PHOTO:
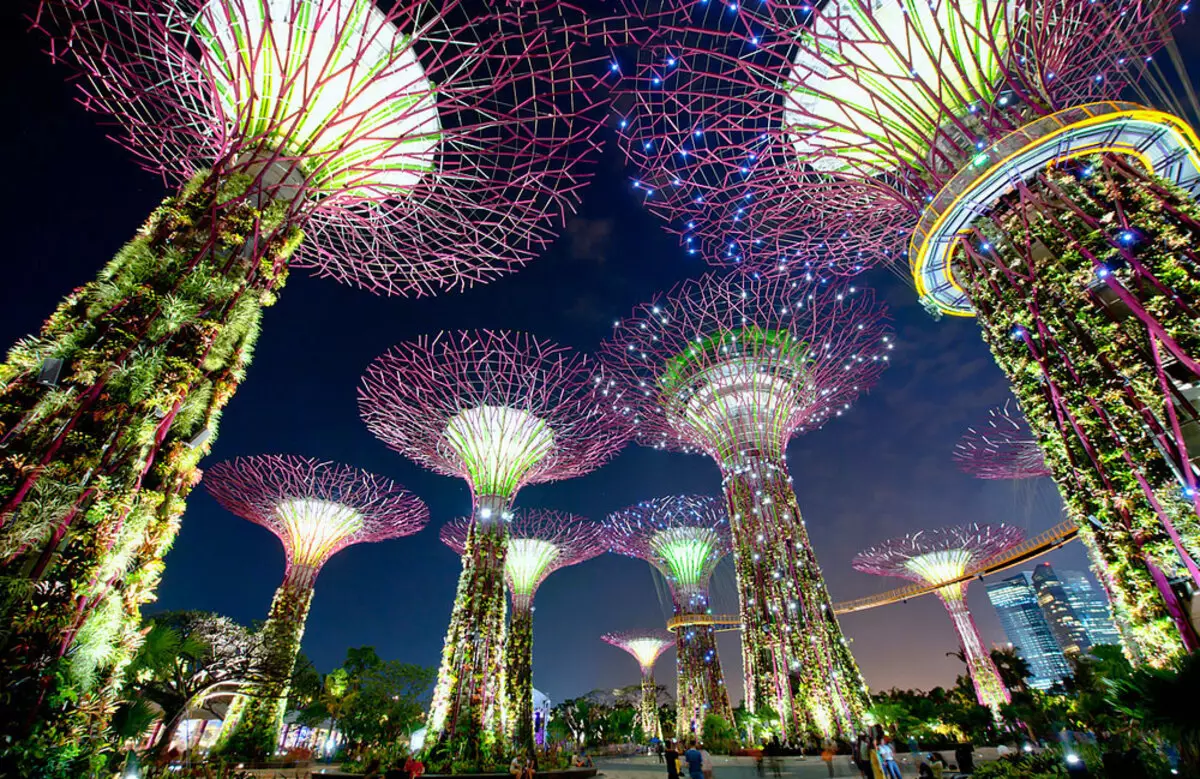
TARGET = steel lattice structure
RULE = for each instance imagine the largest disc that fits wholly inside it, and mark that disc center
(734, 367)
(932, 556)
(428, 146)
(646, 646)
(1001, 447)
(316, 508)
(540, 542)
(683, 537)
(991, 139)
(500, 410)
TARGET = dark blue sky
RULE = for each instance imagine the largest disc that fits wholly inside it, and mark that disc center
(882, 470)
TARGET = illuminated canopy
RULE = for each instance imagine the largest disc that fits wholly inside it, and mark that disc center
(1001, 447)
(315, 526)
(646, 647)
(342, 80)
(861, 84)
(498, 445)
(932, 556)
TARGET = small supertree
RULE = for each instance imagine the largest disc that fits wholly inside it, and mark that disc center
(646, 646)
(944, 555)
(990, 139)
(540, 542)
(683, 537)
(316, 509)
(427, 146)
(1003, 447)
(501, 410)
(733, 368)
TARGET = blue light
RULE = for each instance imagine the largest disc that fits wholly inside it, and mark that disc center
(1103, 272)
(613, 66)
(1127, 237)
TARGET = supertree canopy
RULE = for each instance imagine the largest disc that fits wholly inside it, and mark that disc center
(992, 138)
(501, 410)
(734, 367)
(944, 555)
(683, 537)
(646, 646)
(1002, 447)
(430, 145)
(316, 509)
(540, 542)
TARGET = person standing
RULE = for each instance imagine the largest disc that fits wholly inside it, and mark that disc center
(887, 759)
(860, 755)
(658, 749)
(671, 754)
(695, 762)
(706, 765)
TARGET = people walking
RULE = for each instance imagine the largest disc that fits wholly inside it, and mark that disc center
(706, 764)
(671, 754)
(695, 761)
(860, 755)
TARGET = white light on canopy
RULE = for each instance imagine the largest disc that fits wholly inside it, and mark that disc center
(314, 528)
(688, 553)
(646, 651)
(526, 564)
(498, 445)
(333, 81)
(735, 402)
(871, 82)
(941, 566)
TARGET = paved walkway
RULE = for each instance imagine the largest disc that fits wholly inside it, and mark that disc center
(740, 768)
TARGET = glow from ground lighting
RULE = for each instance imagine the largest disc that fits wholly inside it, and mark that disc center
(315, 528)
(859, 89)
(527, 563)
(498, 445)
(689, 553)
(331, 81)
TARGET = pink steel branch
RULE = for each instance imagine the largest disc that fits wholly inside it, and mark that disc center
(1001, 447)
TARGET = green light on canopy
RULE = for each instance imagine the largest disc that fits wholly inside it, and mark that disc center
(526, 565)
(689, 554)
(875, 78)
(264, 56)
(498, 445)
(313, 528)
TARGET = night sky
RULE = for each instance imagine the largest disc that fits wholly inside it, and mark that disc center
(881, 470)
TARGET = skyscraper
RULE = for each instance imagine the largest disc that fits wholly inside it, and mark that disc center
(1092, 608)
(1065, 623)
(1016, 602)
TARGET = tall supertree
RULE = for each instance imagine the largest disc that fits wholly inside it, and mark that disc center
(992, 138)
(944, 555)
(540, 542)
(1003, 447)
(317, 509)
(501, 410)
(428, 146)
(733, 368)
(683, 537)
(646, 646)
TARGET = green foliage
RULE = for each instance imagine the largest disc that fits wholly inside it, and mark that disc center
(1042, 765)
(720, 735)
(1163, 701)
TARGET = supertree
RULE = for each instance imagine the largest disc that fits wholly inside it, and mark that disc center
(317, 509)
(991, 136)
(944, 555)
(683, 537)
(540, 542)
(1003, 447)
(427, 146)
(646, 646)
(501, 410)
(733, 368)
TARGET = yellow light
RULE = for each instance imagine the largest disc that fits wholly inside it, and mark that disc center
(315, 527)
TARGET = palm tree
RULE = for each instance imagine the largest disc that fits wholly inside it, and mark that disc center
(1014, 670)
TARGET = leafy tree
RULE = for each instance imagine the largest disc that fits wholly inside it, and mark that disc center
(383, 703)
(186, 659)
(719, 734)
(1014, 670)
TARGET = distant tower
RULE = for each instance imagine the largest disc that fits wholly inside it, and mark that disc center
(1065, 624)
(646, 646)
(683, 537)
(1025, 625)
(942, 555)
(500, 410)
(539, 543)
(316, 509)
(735, 368)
